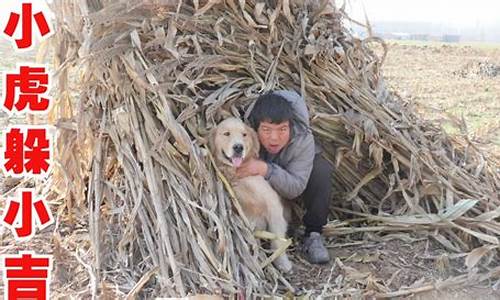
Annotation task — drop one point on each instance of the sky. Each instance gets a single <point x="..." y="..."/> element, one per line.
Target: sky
<point x="460" y="13"/>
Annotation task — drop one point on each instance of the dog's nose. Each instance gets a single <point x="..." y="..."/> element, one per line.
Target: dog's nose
<point x="238" y="148"/>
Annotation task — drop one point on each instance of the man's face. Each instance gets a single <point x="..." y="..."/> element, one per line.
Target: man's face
<point x="273" y="137"/>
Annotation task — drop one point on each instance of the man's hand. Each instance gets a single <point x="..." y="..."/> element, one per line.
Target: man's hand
<point x="252" y="167"/>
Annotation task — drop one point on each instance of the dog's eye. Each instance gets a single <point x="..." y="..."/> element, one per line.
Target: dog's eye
<point x="227" y="133"/>
<point x="244" y="135"/>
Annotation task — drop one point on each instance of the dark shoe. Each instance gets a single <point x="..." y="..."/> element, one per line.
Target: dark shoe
<point x="314" y="249"/>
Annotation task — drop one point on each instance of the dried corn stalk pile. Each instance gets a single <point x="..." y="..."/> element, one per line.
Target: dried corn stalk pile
<point x="140" y="84"/>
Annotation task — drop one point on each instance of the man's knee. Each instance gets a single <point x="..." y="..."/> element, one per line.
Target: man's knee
<point x="322" y="170"/>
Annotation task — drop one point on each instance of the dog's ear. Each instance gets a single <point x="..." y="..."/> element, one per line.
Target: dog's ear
<point x="255" y="142"/>
<point x="211" y="139"/>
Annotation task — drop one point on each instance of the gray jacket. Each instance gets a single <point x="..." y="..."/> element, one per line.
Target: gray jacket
<point x="289" y="170"/>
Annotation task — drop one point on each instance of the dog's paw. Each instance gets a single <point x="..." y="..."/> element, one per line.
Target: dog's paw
<point x="284" y="265"/>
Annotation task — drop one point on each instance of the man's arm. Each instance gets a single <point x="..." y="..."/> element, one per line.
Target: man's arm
<point x="252" y="167"/>
<point x="291" y="181"/>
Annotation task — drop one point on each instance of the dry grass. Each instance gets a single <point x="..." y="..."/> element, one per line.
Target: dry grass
<point x="140" y="208"/>
<point x="444" y="80"/>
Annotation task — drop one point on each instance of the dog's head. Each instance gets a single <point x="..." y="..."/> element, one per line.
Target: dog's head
<point x="233" y="142"/>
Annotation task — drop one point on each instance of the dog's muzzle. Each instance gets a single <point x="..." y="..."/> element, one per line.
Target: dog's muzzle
<point x="237" y="158"/>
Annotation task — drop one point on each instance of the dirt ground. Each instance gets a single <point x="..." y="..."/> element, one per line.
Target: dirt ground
<point x="387" y="263"/>
<point x="450" y="80"/>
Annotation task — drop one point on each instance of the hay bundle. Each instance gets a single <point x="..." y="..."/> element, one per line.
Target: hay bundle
<point x="141" y="83"/>
<point x="479" y="68"/>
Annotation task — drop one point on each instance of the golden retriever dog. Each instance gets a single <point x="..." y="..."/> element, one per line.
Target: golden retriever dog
<point x="231" y="143"/>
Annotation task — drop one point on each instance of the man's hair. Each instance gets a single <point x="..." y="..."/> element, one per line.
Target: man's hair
<point x="271" y="108"/>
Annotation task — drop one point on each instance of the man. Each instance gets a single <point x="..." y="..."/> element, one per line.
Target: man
<point x="292" y="163"/>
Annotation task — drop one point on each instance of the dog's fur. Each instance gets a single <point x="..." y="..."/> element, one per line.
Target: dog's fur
<point x="260" y="202"/>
